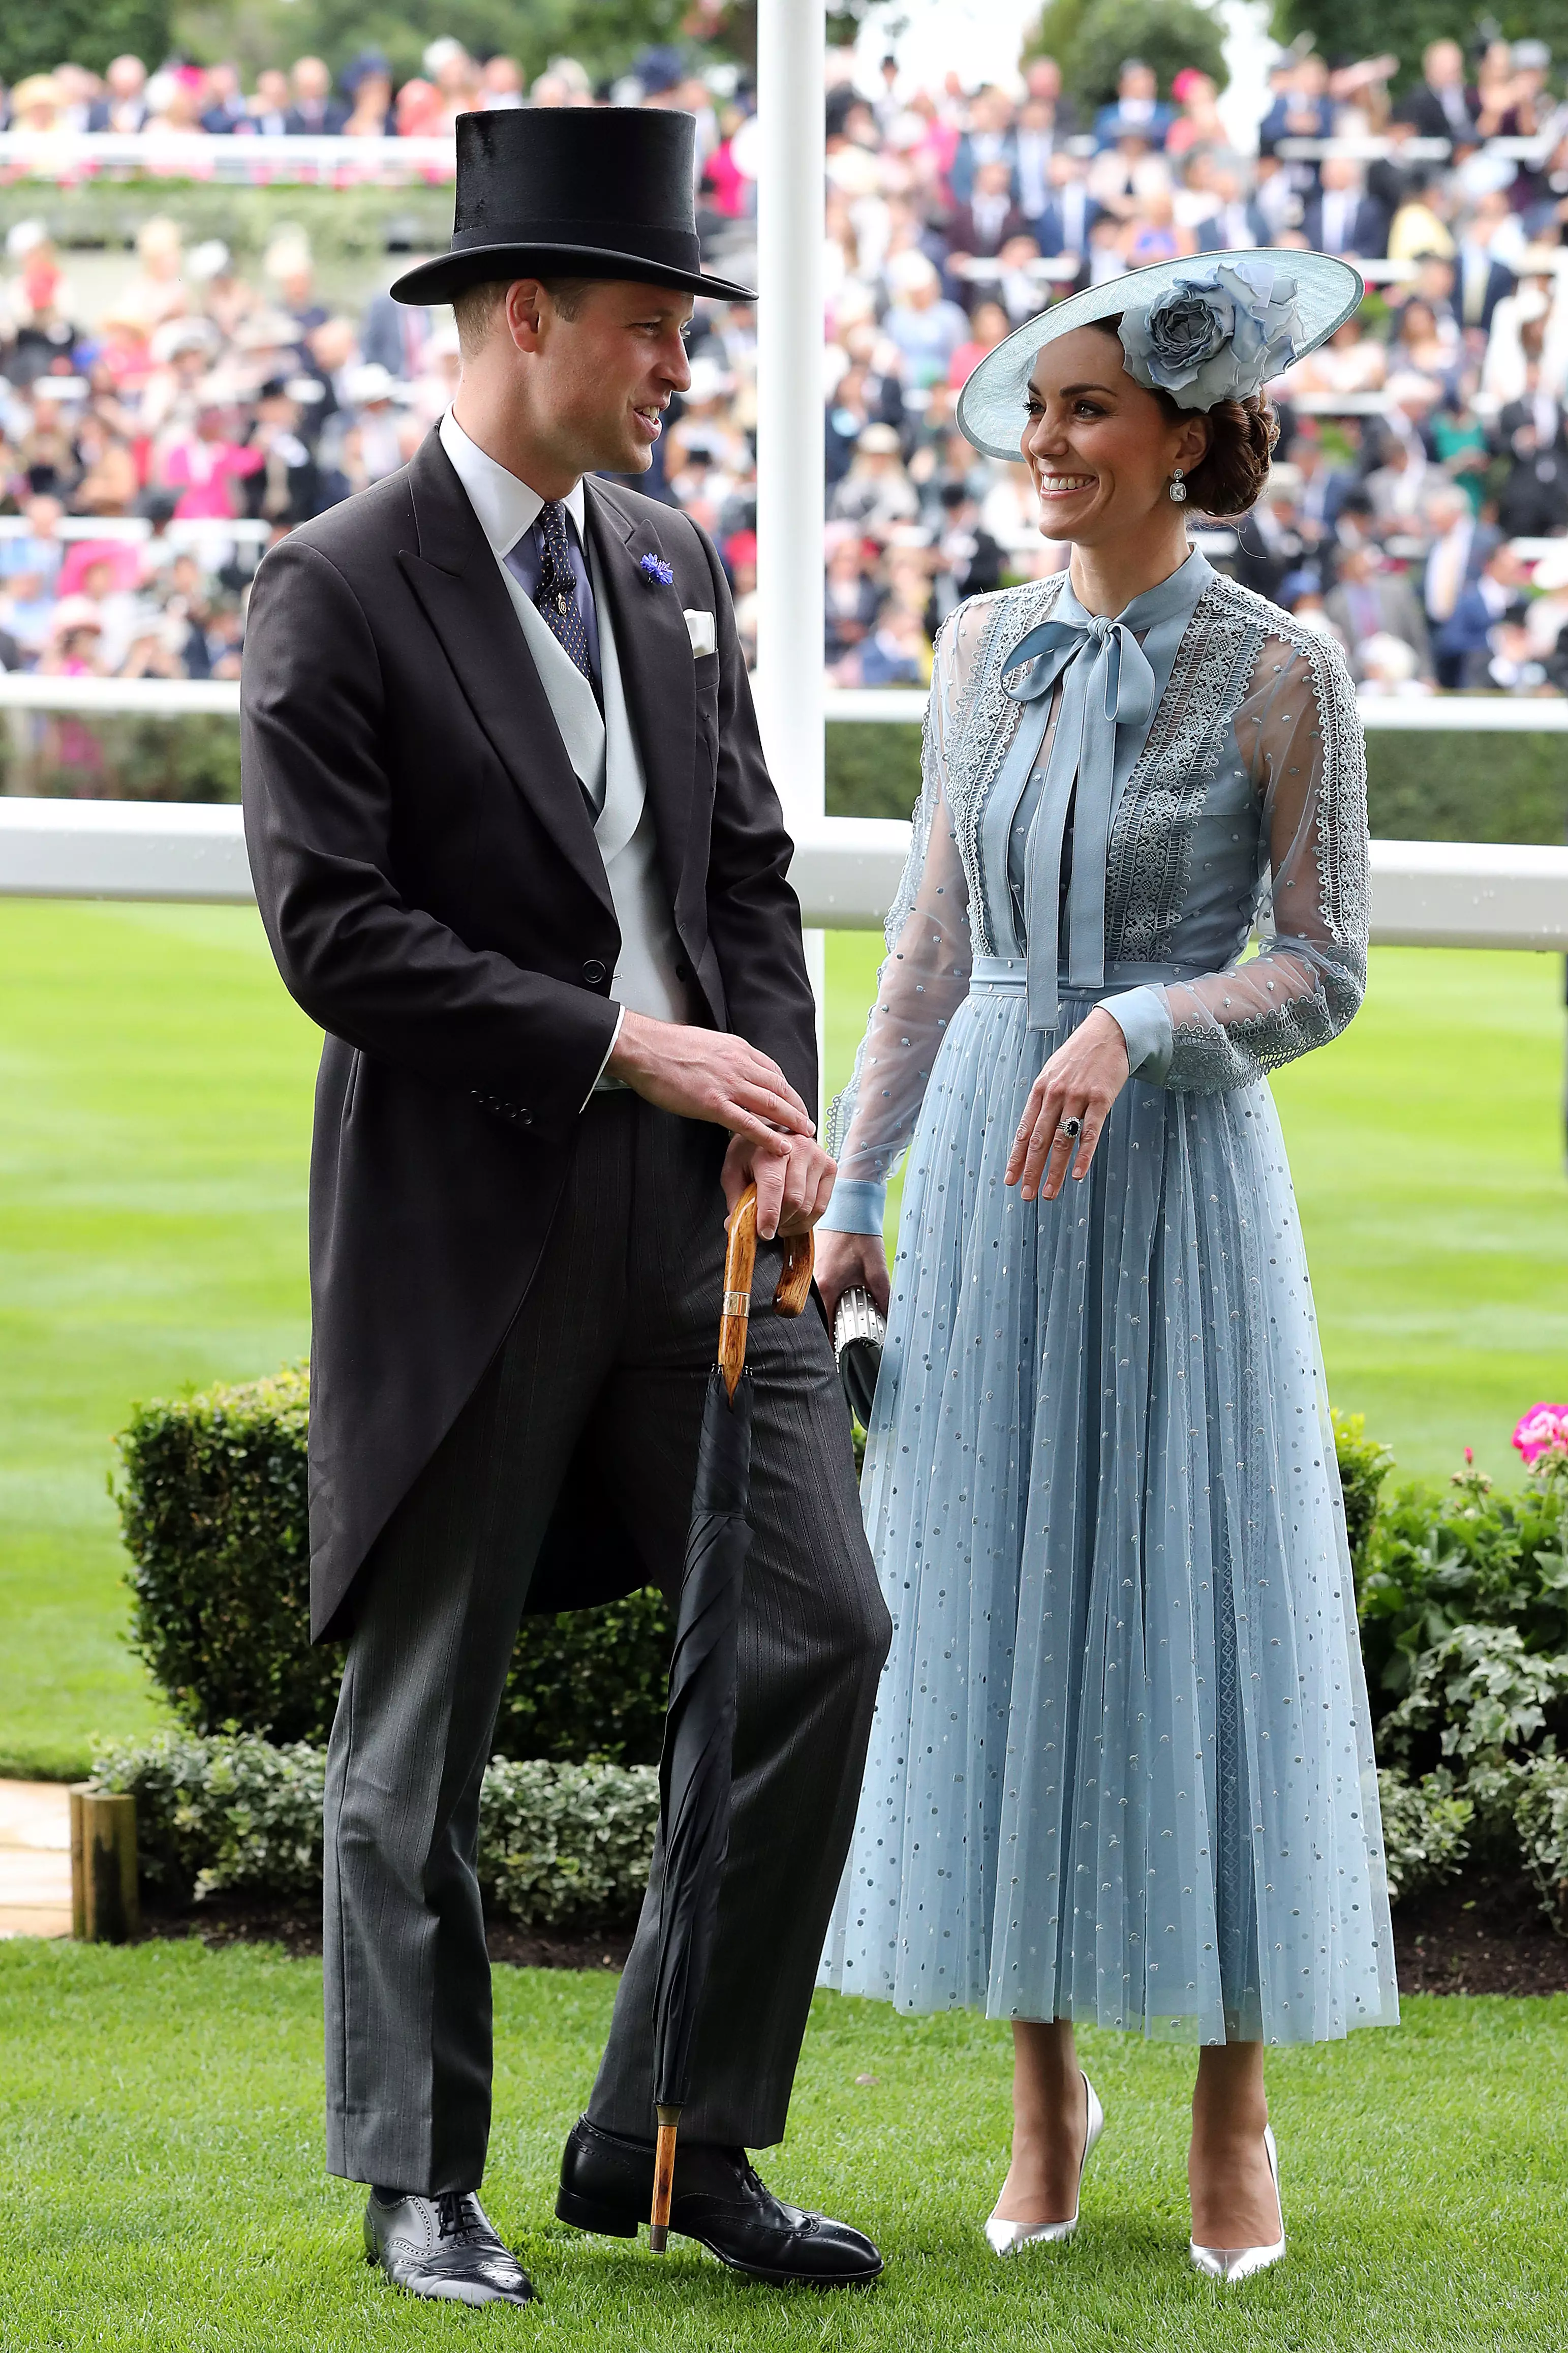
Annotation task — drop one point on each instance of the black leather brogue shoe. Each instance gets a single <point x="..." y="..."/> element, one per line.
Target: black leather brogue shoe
<point x="443" y="2247"/>
<point x="606" y="2185"/>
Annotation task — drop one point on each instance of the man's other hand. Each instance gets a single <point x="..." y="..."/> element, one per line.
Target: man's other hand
<point x="712" y="1075"/>
<point x="794" y="1177"/>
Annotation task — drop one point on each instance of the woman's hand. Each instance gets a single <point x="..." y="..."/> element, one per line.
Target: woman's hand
<point x="1081" y="1080"/>
<point x="845" y="1260"/>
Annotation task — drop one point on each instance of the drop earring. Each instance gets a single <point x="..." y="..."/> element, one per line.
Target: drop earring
<point x="1177" y="488"/>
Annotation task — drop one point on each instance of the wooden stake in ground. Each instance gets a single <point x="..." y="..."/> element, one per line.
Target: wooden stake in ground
<point x="106" y="1907"/>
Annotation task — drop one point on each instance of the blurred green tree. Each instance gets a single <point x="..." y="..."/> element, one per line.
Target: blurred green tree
<point x="47" y="33"/>
<point x="1090" y="39"/>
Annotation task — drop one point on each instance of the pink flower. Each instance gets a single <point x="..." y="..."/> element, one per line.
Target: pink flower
<point x="1545" y="1428"/>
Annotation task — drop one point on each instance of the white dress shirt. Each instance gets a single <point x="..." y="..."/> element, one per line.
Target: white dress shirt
<point x="600" y="744"/>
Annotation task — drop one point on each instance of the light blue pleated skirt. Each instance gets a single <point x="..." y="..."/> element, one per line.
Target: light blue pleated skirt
<point x="1121" y="1770"/>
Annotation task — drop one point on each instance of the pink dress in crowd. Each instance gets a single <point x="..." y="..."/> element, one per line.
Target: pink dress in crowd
<point x="202" y="472"/>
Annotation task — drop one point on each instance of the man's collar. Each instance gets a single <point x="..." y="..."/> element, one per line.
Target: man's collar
<point x="504" y="504"/>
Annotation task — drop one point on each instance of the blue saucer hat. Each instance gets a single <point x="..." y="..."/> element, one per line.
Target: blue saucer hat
<point x="1210" y="327"/>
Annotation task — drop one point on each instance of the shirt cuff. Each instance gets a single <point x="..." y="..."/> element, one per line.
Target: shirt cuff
<point x="620" y="1017"/>
<point x="1144" y="1019"/>
<point x="856" y="1208"/>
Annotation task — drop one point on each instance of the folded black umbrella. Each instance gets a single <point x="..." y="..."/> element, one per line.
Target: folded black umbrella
<point x="695" y="1766"/>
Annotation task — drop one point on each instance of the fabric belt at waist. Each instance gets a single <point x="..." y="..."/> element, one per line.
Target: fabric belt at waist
<point x="1002" y="974"/>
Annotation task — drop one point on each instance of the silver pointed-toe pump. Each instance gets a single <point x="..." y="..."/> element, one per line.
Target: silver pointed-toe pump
<point x="1004" y="2238"/>
<point x="1233" y="2263"/>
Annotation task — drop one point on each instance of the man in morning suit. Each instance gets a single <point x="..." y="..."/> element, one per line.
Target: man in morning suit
<point x="518" y="853"/>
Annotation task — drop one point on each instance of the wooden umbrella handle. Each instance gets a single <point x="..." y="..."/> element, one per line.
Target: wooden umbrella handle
<point x="740" y="1264"/>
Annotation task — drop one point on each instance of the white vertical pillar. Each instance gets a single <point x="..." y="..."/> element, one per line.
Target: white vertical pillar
<point x="790" y="42"/>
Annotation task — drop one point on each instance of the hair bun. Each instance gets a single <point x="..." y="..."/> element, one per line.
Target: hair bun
<point x="1230" y="477"/>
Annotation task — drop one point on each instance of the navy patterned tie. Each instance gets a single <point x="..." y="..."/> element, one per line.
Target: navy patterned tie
<point x="557" y="595"/>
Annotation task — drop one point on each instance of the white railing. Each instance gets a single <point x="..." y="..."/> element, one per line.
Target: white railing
<point x="846" y="870"/>
<point x="1438" y="714"/>
<point x="70" y="157"/>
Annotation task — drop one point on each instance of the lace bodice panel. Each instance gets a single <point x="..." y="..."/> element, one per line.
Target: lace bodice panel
<point x="1247" y="809"/>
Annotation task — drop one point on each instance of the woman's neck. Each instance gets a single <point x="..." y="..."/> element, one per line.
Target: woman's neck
<point x="1106" y="579"/>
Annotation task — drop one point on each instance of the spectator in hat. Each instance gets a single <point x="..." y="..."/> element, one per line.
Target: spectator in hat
<point x="1532" y="503"/>
<point x="37" y="107"/>
<point x="368" y="84"/>
<point x="74" y="647"/>
<point x="202" y="464"/>
<point x="876" y="493"/>
<point x="925" y="328"/>
<point x="1200" y="123"/>
<point x="314" y="113"/>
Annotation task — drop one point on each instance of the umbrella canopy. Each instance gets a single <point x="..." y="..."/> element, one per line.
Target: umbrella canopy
<point x="695" y="1766"/>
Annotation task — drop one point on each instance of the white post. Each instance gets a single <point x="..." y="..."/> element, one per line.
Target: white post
<point x="790" y="42"/>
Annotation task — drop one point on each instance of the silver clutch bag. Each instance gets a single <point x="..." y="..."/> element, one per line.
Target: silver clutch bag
<point x="859" y="1329"/>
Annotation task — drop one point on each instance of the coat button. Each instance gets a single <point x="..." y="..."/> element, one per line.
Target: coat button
<point x="683" y="972"/>
<point x="594" y="972"/>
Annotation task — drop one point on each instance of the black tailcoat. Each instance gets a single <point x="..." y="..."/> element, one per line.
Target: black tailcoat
<point x="427" y="873"/>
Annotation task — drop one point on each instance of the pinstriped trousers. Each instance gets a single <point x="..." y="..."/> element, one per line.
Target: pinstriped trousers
<point x="611" y="1348"/>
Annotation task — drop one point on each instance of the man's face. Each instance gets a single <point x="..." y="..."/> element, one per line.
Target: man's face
<point x="1444" y="65"/>
<point x="602" y="379"/>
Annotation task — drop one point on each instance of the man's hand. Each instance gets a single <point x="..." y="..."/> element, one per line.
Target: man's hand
<point x="794" y="1177"/>
<point x="709" y="1075"/>
<point x="843" y="1261"/>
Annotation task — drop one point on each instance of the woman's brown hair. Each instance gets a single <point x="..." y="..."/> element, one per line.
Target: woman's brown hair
<point x="1231" y="475"/>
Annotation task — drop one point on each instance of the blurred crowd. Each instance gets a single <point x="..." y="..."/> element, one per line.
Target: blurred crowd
<point x="1418" y="509"/>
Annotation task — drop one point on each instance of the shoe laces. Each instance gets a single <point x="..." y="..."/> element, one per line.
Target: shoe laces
<point x="458" y="2215"/>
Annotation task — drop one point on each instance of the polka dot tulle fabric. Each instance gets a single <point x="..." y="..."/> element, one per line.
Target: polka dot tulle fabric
<point x="1121" y="1770"/>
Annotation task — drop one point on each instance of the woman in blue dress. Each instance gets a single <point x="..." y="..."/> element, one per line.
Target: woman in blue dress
<point x="1122" y="1770"/>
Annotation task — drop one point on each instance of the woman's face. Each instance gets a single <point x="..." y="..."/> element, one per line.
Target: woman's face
<point x="1099" y="449"/>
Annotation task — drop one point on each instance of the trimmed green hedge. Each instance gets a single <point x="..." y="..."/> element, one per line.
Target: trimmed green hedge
<point x="212" y="1498"/>
<point x="1438" y="787"/>
<point x="559" y="1844"/>
<point x="1420" y="787"/>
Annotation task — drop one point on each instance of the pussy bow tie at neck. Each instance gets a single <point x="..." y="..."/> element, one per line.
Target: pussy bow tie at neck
<point x="1109" y="688"/>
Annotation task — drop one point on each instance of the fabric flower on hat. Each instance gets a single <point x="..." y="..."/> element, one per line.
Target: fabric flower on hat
<point x="1217" y="336"/>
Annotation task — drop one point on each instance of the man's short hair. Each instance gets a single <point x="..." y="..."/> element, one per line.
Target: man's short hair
<point x="475" y="308"/>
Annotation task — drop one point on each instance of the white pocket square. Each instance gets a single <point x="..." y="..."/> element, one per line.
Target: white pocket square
<point x="699" y="630"/>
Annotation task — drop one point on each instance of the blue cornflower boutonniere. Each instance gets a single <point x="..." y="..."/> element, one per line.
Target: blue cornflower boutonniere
<point x="656" y="572"/>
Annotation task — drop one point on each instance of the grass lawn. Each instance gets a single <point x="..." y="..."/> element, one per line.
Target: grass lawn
<point x="1426" y="1146"/>
<point x="152" y="1155"/>
<point x="159" y="2107"/>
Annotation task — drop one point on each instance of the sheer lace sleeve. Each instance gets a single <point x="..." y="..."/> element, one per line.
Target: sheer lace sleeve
<point x="1299" y="737"/>
<point x="925" y="976"/>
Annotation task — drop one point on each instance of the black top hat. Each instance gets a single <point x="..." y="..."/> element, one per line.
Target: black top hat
<point x="572" y="191"/>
